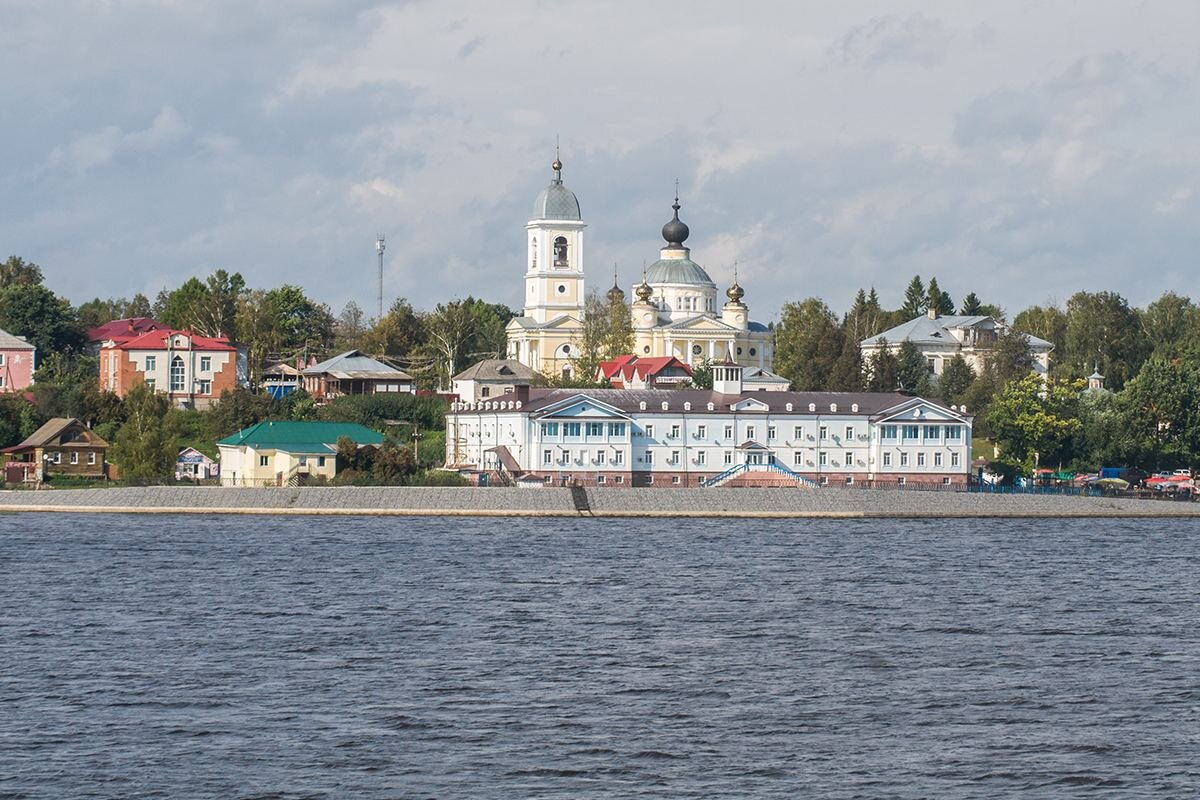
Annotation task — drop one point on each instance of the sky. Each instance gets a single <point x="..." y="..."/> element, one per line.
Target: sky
<point x="1023" y="151"/>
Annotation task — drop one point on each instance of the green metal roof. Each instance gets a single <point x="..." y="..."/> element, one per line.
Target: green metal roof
<point x="301" y="437"/>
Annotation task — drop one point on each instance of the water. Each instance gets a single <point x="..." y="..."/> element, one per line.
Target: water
<point x="148" y="656"/>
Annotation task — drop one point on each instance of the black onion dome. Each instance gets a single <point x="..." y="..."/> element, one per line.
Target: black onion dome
<point x="675" y="231"/>
<point x="616" y="294"/>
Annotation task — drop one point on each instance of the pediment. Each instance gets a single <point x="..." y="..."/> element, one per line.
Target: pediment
<point x="918" y="410"/>
<point x="701" y="324"/>
<point x="750" y="404"/>
<point x="579" y="407"/>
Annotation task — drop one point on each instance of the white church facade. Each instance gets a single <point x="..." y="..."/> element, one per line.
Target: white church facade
<point x="675" y="311"/>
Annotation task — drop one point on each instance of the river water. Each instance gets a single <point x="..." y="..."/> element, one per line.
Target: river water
<point x="151" y="656"/>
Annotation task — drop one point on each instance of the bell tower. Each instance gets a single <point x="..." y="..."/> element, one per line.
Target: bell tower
<point x="554" y="284"/>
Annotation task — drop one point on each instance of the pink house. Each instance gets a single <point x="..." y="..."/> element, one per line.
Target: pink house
<point x="16" y="363"/>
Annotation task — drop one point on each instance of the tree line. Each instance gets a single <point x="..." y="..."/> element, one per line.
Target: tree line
<point x="1147" y="355"/>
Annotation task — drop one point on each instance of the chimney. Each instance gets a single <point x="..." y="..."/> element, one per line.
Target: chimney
<point x="933" y="313"/>
<point x="522" y="392"/>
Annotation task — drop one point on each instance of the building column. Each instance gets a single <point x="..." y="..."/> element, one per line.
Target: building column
<point x="670" y="347"/>
<point x="712" y="348"/>
<point x="687" y="357"/>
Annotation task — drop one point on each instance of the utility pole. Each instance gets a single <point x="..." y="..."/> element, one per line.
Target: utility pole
<point x="380" y="246"/>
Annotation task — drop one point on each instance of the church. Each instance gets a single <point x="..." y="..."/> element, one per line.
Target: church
<point x="674" y="312"/>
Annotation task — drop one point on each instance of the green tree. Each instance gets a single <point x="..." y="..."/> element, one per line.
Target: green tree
<point x="1033" y="423"/>
<point x="181" y="309"/>
<point x="1103" y="330"/>
<point x="460" y="333"/>
<point x="240" y="408"/>
<point x="1170" y="324"/>
<point x="971" y="305"/>
<point x="298" y="323"/>
<point x="592" y="338"/>
<point x="392" y="465"/>
<point x="16" y="271"/>
<point x="1162" y="412"/>
<point x="883" y="370"/>
<point x="225" y="290"/>
<point x="1104" y="438"/>
<point x="399" y="333"/>
<point x="256" y="326"/>
<point x="350" y="328"/>
<point x="865" y="318"/>
<point x="139" y="306"/>
<point x="807" y="344"/>
<point x="1045" y="322"/>
<point x="913" y="370"/>
<point x="618" y="333"/>
<point x="847" y="374"/>
<point x="916" y="300"/>
<point x="937" y="299"/>
<point x="1011" y="358"/>
<point x="955" y="380"/>
<point x="702" y="375"/>
<point x="146" y="446"/>
<point x="42" y="317"/>
<point x="95" y="313"/>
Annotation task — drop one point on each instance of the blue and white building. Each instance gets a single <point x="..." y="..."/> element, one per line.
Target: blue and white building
<point x="623" y="437"/>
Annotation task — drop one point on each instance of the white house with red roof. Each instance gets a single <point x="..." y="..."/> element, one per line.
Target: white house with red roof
<point x="631" y="372"/>
<point x="192" y="370"/>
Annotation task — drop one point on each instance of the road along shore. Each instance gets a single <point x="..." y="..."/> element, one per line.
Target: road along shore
<point x="832" y="503"/>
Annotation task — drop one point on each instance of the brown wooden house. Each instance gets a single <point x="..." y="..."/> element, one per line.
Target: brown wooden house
<point x="63" y="446"/>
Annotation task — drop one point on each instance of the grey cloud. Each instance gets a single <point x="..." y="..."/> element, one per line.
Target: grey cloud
<point x="100" y="148"/>
<point x="1003" y="114"/>
<point x="915" y="39"/>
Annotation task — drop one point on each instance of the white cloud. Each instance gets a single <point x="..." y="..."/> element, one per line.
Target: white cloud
<point x="101" y="147"/>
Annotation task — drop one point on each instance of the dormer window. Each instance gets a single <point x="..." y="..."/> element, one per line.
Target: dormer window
<point x="560" y="251"/>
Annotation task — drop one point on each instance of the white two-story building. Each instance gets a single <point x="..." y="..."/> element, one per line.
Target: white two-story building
<point x="623" y="437"/>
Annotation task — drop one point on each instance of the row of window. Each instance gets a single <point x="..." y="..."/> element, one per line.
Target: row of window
<point x="700" y="458"/>
<point x="701" y="432"/>
<point x="916" y="433"/>
<point x="907" y="433"/>
<point x="265" y="461"/>
<point x="575" y="429"/>
<point x="57" y="458"/>
<point x="676" y="480"/>
<point x="922" y="459"/>
<point x="205" y="363"/>
<point x="178" y="385"/>
<point x="600" y="457"/>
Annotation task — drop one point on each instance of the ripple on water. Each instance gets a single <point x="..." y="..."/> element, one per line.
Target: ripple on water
<point x="379" y="658"/>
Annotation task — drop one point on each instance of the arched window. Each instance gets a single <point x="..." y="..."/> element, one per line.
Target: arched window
<point x="533" y="251"/>
<point x="177" y="374"/>
<point x="560" y="251"/>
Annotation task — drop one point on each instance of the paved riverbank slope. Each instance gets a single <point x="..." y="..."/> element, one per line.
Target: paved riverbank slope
<point x="724" y="502"/>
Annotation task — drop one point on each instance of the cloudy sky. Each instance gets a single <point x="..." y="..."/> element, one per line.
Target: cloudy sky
<point x="1023" y="150"/>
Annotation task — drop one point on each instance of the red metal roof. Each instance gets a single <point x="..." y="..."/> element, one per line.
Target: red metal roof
<point x="123" y="329"/>
<point x="623" y="369"/>
<point x="157" y="340"/>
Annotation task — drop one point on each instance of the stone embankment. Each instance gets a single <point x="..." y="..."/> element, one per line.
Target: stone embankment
<point x="442" y="501"/>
